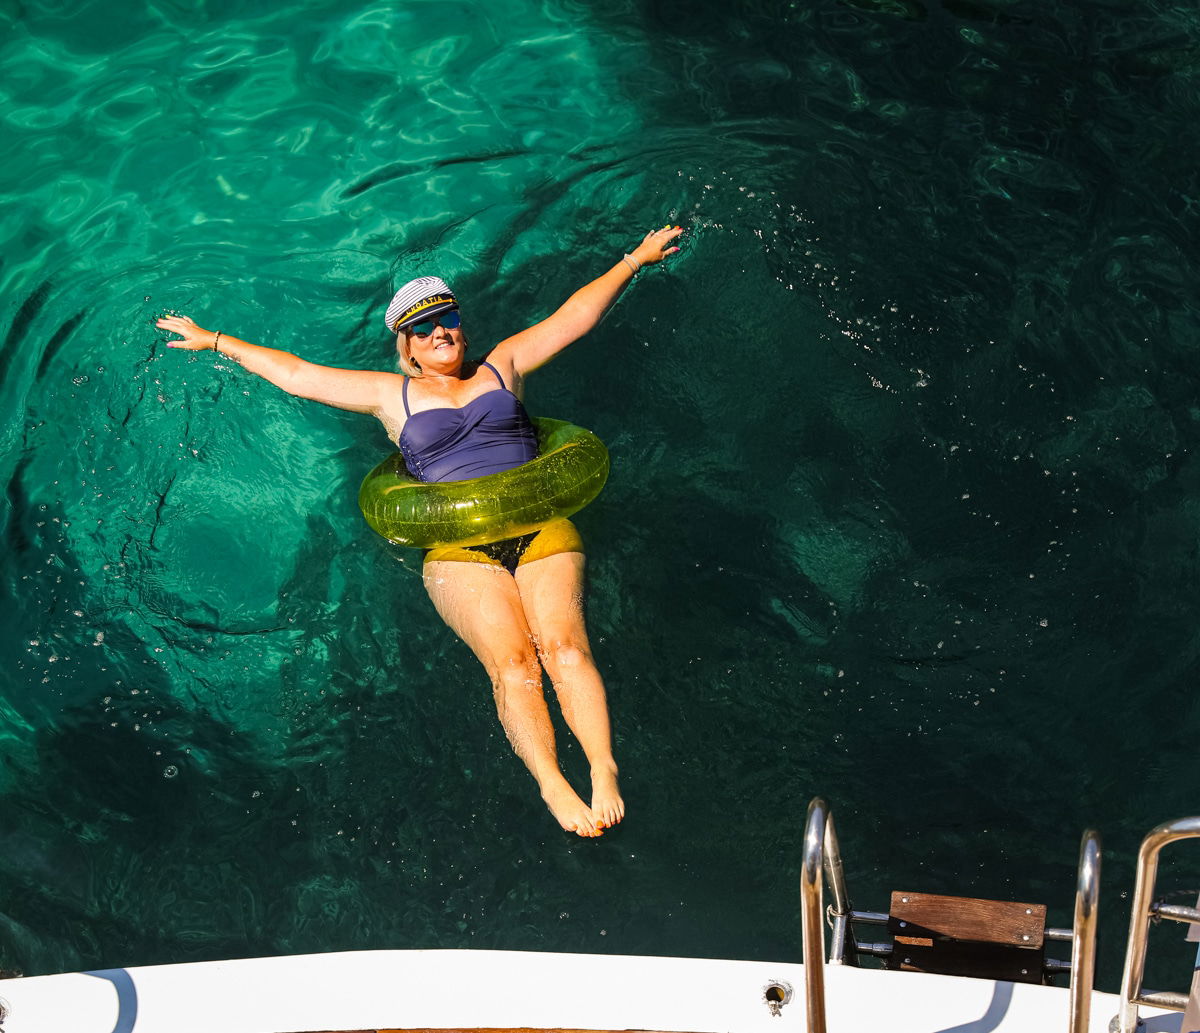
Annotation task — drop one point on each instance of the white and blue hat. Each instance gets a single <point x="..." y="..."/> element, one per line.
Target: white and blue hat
<point x="417" y="299"/>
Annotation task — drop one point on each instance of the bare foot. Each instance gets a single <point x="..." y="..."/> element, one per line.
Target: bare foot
<point x="569" y="811"/>
<point x="607" y="805"/>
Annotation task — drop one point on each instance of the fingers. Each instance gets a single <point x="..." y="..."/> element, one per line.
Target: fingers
<point x="656" y="244"/>
<point x="667" y="233"/>
<point x="194" y="338"/>
<point x="171" y="322"/>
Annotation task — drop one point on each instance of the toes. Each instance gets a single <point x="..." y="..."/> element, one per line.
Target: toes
<point x="608" y="812"/>
<point x="585" y="827"/>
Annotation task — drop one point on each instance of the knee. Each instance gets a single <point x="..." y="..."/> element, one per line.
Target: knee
<point x="516" y="671"/>
<point x="562" y="657"/>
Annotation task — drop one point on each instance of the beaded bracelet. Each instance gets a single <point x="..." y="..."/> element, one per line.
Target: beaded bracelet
<point x="217" y="341"/>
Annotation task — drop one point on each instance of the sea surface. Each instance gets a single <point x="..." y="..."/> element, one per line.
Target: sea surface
<point x="905" y="501"/>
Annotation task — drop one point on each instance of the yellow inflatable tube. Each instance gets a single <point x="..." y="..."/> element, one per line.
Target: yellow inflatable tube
<point x="570" y="470"/>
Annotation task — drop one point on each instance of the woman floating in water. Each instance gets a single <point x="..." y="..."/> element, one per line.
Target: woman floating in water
<point x="517" y="603"/>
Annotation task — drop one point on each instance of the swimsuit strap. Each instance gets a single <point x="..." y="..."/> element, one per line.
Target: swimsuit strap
<point x="404" y="393"/>
<point x="484" y="362"/>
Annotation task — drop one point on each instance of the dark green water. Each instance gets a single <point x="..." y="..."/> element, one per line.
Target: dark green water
<point x="905" y="508"/>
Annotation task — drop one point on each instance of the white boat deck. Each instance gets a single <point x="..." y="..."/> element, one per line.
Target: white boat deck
<point x="498" y="990"/>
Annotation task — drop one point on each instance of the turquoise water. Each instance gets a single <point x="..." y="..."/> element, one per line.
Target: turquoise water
<point x="904" y="505"/>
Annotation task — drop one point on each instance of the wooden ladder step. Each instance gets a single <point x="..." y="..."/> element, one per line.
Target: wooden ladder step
<point x="967" y="936"/>
<point x="967" y="920"/>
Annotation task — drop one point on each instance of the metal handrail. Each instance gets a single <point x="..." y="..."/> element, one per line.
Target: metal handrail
<point x="839" y="913"/>
<point x="1142" y="912"/>
<point x="822" y="857"/>
<point x="1083" y="932"/>
<point x="816" y="825"/>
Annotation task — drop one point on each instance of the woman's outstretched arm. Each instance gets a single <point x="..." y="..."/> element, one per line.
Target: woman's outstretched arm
<point x="356" y="390"/>
<point x="532" y="348"/>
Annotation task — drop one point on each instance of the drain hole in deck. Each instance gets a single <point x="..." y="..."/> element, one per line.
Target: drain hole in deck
<point x="776" y="994"/>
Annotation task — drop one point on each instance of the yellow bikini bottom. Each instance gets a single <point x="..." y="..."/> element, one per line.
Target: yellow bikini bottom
<point x="511" y="553"/>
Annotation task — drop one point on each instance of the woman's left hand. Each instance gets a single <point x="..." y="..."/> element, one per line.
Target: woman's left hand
<point x="194" y="337"/>
<point x="656" y="245"/>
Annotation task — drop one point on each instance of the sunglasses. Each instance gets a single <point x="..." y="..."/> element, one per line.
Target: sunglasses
<point x="447" y="321"/>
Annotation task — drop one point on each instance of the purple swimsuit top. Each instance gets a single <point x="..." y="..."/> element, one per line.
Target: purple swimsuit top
<point x="489" y="434"/>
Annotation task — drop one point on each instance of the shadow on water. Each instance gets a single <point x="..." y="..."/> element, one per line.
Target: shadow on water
<point x="121" y="798"/>
<point x="142" y="823"/>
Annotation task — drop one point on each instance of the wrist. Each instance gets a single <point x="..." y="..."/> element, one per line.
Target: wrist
<point x="631" y="261"/>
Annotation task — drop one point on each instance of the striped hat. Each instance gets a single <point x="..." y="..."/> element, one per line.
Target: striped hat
<point x="423" y="297"/>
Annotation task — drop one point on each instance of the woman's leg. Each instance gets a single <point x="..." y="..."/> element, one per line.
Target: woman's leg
<point x="481" y="604"/>
<point x="552" y="594"/>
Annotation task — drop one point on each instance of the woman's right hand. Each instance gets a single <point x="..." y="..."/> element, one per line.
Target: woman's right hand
<point x="194" y="338"/>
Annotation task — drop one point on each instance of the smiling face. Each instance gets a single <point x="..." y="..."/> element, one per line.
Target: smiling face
<point x="430" y="346"/>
